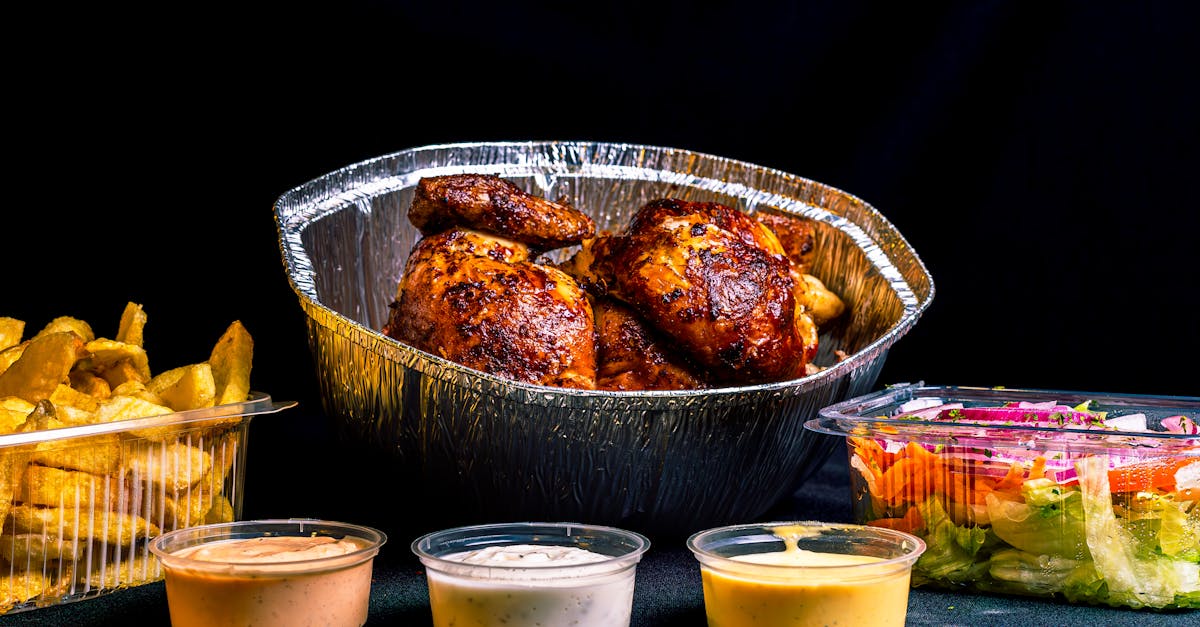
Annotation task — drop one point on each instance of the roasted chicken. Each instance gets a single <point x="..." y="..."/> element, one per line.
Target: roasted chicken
<point x="472" y="293"/>
<point x="713" y="280"/>
<point x="495" y="205"/>
<point x="632" y="355"/>
<point x="688" y="295"/>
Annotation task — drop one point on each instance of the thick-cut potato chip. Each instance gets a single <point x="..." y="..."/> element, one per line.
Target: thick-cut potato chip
<point x="184" y="508"/>
<point x="44" y="364"/>
<point x="12" y="471"/>
<point x="11" y="331"/>
<point x="37" y="548"/>
<point x="186" y="387"/>
<point x="67" y="323"/>
<point x="111" y="527"/>
<point x="10" y="355"/>
<point x="136" y="567"/>
<point x="44" y="485"/>
<point x="20" y="587"/>
<point x="98" y="454"/>
<point x="121" y="407"/>
<point x="220" y="512"/>
<point x="137" y="389"/>
<point x="231" y="361"/>
<point x="91" y="384"/>
<point x="170" y="466"/>
<point x="109" y="354"/>
<point x="67" y="396"/>
<point x="133" y="321"/>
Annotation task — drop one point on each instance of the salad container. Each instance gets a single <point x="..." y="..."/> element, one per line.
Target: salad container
<point x="1084" y="497"/>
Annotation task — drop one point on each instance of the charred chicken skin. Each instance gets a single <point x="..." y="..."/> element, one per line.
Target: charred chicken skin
<point x="489" y="203"/>
<point x="476" y="299"/>
<point x="712" y="279"/>
<point x="631" y="355"/>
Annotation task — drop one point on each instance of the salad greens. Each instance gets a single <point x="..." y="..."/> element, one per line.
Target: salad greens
<point x="1118" y="530"/>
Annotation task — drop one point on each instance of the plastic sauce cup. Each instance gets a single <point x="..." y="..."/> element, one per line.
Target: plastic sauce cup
<point x="530" y="574"/>
<point x="805" y="573"/>
<point x="269" y="572"/>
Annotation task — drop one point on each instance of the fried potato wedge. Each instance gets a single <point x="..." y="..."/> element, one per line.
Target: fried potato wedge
<point x="67" y="323"/>
<point x="135" y="568"/>
<point x="220" y="512"/>
<point x="231" y="361"/>
<point x="58" y="487"/>
<point x="112" y="355"/>
<point x="37" y="548"/>
<point x="101" y="525"/>
<point x="133" y="322"/>
<point x="11" y="331"/>
<point x="98" y="454"/>
<point x="172" y="466"/>
<point x="186" y="387"/>
<point x="21" y="586"/>
<point x="10" y="355"/>
<point x="42" y="366"/>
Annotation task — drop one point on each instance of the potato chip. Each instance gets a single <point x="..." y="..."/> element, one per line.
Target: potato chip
<point x="98" y="454"/>
<point x="171" y="466"/>
<point x="120" y="407"/>
<point x="135" y="567"/>
<point x="37" y="548"/>
<point x="110" y="354"/>
<point x="20" y="587"/>
<point x="67" y="323"/>
<point x="133" y="321"/>
<point x="67" y="396"/>
<point x="220" y="512"/>
<point x="186" y="387"/>
<point x="44" y="485"/>
<point x="10" y="355"/>
<point x="44" y="364"/>
<point x="184" y="508"/>
<point x="231" y="362"/>
<point x="111" y="527"/>
<point x="91" y="384"/>
<point x="137" y="389"/>
<point x="11" y="331"/>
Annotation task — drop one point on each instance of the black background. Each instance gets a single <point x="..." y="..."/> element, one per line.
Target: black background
<point x="1041" y="158"/>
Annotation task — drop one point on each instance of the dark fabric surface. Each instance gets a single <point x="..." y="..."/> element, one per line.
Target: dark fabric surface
<point x="667" y="593"/>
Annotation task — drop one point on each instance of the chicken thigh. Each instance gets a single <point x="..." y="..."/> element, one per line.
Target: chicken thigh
<point x="476" y="299"/>
<point x="713" y="280"/>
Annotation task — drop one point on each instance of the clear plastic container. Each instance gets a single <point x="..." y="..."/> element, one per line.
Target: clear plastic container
<point x="1091" y="498"/>
<point x="530" y="574"/>
<point x="82" y="503"/>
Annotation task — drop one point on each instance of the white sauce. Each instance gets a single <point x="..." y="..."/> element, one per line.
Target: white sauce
<point x="526" y="555"/>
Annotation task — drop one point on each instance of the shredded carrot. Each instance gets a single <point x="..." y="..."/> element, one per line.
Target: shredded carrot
<point x="1038" y="470"/>
<point x="910" y="522"/>
<point x="1013" y="479"/>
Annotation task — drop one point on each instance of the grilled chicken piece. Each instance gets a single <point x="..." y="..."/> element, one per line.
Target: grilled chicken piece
<point x="478" y="300"/>
<point x="797" y="236"/>
<point x="712" y="279"/>
<point x="489" y="203"/>
<point x="633" y="356"/>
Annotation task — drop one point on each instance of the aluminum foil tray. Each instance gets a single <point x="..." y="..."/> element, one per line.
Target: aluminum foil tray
<point x="661" y="462"/>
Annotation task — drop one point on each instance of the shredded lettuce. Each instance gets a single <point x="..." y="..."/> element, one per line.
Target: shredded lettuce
<point x="1132" y="579"/>
<point x="952" y="552"/>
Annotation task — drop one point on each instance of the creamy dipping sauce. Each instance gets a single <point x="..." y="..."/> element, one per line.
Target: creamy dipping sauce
<point x="859" y="595"/>
<point x="252" y="586"/>
<point x="480" y="596"/>
<point x="270" y="549"/>
<point x="526" y="555"/>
